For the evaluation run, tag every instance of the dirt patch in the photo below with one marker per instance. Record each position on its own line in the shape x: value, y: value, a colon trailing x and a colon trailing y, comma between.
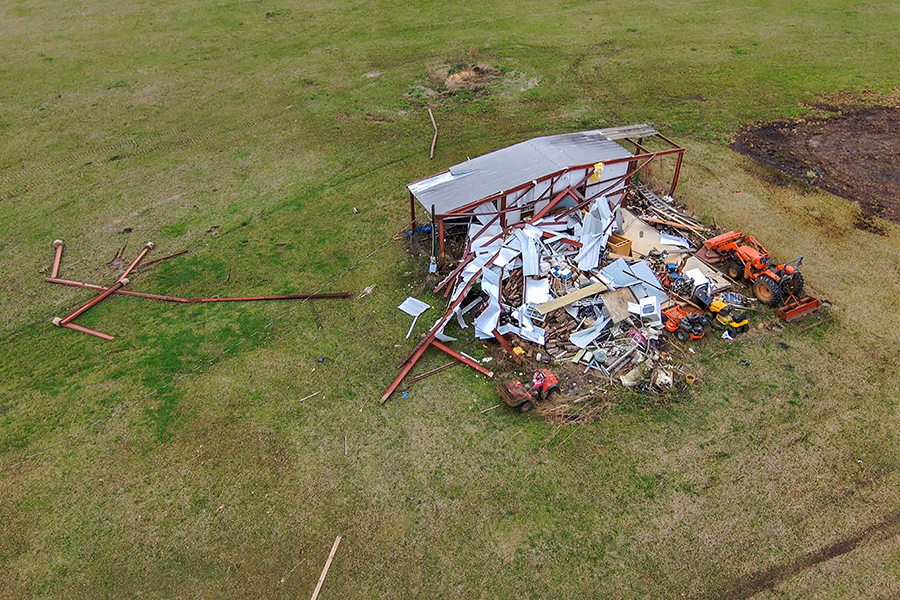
x: 467, y: 77
x: 854, y: 154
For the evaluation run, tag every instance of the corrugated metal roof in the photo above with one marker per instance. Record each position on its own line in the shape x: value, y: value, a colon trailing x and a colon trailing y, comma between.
x: 504, y: 169
x: 628, y: 131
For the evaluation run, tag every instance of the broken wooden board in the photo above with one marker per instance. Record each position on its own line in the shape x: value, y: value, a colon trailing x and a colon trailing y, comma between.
x: 717, y: 280
x: 644, y: 237
x: 616, y: 304
x: 590, y: 290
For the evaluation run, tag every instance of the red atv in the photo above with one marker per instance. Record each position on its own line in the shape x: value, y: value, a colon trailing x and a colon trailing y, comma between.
x: 521, y: 396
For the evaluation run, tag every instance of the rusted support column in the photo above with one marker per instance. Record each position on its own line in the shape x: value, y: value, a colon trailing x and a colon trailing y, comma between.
x: 463, y: 359
x: 441, y: 236
x: 412, y: 213
x: 404, y: 372
x: 104, y: 336
x: 504, y: 343
x: 54, y: 270
x: 677, y: 172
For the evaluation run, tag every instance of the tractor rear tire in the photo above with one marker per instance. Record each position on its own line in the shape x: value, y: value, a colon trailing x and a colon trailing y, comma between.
x: 734, y: 270
x: 525, y: 406
x: 682, y: 335
x: 797, y: 284
x: 767, y: 290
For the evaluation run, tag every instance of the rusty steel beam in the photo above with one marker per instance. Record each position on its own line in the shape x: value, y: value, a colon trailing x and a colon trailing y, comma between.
x: 94, y: 302
x: 104, y: 336
x: 285, y: 297
x: 58, y: 245
x: 462, y: 358
x: 92, y: 286
x: 147, y: 248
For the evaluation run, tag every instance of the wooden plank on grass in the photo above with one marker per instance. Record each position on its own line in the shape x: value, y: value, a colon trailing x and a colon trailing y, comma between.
x: 334, y: 548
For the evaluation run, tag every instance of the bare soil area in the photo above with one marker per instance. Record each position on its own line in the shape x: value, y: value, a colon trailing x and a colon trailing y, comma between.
x: 854, y: 154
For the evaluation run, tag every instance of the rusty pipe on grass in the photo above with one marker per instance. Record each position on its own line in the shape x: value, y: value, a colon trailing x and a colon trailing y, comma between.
x: 286, y: 297
x: 100, y: 288
x: 104, y: 336
x: 94, y: 302
x: 54, y: 270
x: 147, y: 248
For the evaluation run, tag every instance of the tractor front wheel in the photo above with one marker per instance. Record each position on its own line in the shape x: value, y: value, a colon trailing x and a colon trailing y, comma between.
x: 767, y: 291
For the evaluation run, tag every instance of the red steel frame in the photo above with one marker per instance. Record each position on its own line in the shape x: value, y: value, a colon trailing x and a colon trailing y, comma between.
x: 633, y: 167
x: 122, y: 281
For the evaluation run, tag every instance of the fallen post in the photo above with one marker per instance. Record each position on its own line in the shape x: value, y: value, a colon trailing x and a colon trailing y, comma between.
x: 58, y: 322
x: 58, y: 245
x: 147, y: 248
x: 93, y: 286
x: 337, y: 542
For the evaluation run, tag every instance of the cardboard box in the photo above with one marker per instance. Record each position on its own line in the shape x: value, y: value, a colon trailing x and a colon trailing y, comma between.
x: 619, y: 244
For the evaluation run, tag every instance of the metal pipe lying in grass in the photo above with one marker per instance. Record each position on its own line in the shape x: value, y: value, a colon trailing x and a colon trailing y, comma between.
x: 94, y: 302
x: 58, y: 322
x: 93, y: 286
x: 54, y: 270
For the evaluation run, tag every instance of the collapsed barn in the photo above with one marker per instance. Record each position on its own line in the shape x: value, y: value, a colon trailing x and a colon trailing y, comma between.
x: 567, y: 256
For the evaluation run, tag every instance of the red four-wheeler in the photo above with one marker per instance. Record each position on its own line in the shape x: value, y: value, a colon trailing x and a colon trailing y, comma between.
x: 520, y: 396
x: 745, y: 258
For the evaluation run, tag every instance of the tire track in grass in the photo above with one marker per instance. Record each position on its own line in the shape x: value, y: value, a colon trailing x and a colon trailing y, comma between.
x: 754, y: 583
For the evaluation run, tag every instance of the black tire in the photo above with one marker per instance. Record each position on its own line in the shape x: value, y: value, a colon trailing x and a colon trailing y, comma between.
x: 767, y: 291
x: 716, y: 324
x: 548, y: 395
x: 525, y: 406
x: 797, y: 284
x: 682, y: 335
x: 743, y: 328
x: 734, y: 270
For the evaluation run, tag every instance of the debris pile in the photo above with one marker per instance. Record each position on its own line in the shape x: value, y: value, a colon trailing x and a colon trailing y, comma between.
x: 602, y: 288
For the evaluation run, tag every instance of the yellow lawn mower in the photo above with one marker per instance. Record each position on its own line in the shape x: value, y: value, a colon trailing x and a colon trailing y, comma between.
x: 726, y: 318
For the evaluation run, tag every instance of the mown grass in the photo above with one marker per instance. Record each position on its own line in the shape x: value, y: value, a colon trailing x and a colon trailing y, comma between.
x: 247, y: 132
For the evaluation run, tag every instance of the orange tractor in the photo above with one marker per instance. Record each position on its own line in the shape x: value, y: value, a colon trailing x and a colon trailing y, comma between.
x: 745, y: 258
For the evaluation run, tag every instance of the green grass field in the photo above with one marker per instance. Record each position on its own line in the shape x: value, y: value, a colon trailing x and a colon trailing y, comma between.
x: 178, y: 461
